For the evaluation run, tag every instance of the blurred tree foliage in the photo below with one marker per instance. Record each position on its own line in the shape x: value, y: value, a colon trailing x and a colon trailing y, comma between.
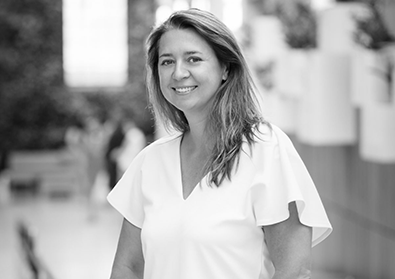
x: 371, y: 31
x: 36, y: 108
x: 141, y: 19
x: 299, y: 23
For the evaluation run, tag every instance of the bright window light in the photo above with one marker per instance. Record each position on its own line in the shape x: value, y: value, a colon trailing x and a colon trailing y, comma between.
x: 162, y: 13
x: 95, y: 44
x: 322, y: 4
x: 179, y: 5
x: 201, y: 4
x: 233, y: 14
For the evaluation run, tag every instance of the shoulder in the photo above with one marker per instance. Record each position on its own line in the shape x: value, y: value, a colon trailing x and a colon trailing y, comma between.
x: 159, y: 148
x: 164, y: 141
x: 268, y: 138
x: 270, y: 133
x: 267, y: 134
x: 162, y: 144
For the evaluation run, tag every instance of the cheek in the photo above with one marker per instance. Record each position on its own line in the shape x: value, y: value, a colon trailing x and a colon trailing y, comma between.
x: 162, y: 82
x: 214, y: 81
x: 164, y: 88
x: 163, y: 78
x: 165, y: 91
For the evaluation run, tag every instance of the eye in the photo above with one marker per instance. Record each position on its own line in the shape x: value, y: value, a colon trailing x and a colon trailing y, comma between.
x: 166, y: 62
x: 194, y: 59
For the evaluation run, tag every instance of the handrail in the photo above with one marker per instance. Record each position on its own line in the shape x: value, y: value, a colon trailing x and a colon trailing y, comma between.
x: 35, y: 264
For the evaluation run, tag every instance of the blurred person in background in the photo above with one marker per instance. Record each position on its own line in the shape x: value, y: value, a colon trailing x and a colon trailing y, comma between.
x: 97, y: 132
x: 125, y: 142
x: 87, y: 143
x: 96, y: 138
x: 75, y: 142
x: 133, y: 142
x: 115, y: 141
x: 227, y: 196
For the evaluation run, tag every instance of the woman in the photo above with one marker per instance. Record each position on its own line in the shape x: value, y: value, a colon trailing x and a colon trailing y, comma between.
x: 225, y: 197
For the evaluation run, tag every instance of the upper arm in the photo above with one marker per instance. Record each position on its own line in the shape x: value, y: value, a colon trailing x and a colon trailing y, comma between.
x: 289, y: 245
x: 129, y: 259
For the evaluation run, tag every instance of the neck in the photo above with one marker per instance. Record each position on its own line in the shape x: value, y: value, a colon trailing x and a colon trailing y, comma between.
x: 197, y: 138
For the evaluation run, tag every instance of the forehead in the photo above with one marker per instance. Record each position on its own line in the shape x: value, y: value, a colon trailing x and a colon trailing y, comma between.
x: 177, y: 41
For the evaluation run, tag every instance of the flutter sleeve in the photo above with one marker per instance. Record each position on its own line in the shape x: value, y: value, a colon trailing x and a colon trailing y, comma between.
x: 126, y: 197
x: 283, y: 178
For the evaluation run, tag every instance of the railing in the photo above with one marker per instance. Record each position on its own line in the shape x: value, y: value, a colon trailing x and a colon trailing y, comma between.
x: 35, y: 264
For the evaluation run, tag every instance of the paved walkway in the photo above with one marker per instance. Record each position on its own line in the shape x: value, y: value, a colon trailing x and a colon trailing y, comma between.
x: 74, y: 240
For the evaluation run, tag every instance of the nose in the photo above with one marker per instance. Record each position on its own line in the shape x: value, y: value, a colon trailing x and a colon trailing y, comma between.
x: 180, y: 72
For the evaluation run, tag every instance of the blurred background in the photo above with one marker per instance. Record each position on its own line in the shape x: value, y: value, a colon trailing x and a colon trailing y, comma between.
x: 73, y: 102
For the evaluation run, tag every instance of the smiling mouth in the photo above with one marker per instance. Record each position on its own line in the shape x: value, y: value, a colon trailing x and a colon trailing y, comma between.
x: 184, y: 90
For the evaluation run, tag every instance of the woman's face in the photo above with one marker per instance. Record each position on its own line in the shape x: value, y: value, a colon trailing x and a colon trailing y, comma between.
x: 189, y: 71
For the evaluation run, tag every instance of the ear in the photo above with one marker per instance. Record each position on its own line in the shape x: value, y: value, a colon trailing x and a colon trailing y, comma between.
x: 225, y: 72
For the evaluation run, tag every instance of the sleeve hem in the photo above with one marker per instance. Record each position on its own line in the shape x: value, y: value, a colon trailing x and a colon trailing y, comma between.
x: 123, y: 212
x: 272, y: 221
x: 327, y: 231
x: 321, y: 230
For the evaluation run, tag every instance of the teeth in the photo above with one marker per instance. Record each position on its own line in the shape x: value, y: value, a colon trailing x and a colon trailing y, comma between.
x: 184, y: 89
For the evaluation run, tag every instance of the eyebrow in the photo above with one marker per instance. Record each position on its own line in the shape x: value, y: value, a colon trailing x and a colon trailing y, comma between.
x: 186, y: 53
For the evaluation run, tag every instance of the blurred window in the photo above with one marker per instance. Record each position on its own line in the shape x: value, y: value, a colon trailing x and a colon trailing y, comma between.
x: 95, y: 43
x: 233, y: 14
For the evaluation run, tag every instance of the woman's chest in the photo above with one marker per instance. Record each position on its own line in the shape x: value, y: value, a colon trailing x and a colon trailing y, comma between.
x: 210, y: 214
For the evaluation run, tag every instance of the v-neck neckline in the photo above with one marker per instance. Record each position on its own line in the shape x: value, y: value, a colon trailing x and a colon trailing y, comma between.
x: 180, y: 184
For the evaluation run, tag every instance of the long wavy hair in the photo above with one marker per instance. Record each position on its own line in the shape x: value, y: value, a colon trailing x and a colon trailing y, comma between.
x: 235, y: 114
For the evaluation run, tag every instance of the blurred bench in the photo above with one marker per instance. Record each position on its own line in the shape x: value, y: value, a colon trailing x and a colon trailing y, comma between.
x: 46, y: 172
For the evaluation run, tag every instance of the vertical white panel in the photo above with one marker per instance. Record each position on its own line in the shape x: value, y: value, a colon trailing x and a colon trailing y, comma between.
x: 267, y: 39
x: 326, y: 113
x: 378, y: 132
x: 335, y: 27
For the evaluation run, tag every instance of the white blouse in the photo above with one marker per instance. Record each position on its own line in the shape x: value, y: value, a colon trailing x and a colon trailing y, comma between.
x: 216, y: 232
